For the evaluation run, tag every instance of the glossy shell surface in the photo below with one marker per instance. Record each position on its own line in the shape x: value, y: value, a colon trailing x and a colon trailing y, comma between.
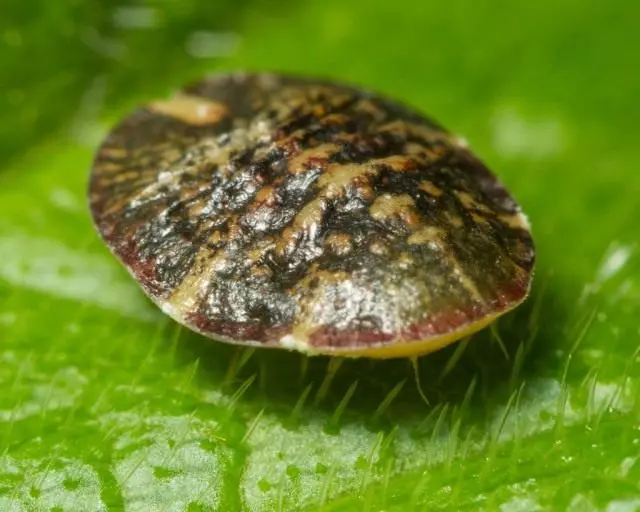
x: 278, y: 211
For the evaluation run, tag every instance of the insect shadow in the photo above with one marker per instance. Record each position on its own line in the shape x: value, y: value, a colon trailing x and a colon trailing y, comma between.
x: 475, y: 373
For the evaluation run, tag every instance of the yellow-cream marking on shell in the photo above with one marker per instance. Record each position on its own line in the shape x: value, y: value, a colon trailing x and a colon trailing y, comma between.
x: 308, y: 220
x: 427, y: 235
x: 339, y: 243
x: 323, y: 277
x: 259, y: 250
x: 295, y: 341
x: 430, y: 188
x: 404, y: 260
x: 379, y: 248
x: 339, y: 176
x: 265, y: 194
x: 185, y: 297
x: 114, y: 206
x: 425, y: 132
x: 454, y: 220
x: 171, y: 155
x: 299, y: 162
x: 469, y: 202
x: 426, y: 154
x: 284, y: 242
x: 415, y: 149
x: 466, y: 281
x: 204, y: 228
x: 109, y: 166
x: 291, y: 143
x: 478, y: 219
x: 365, y: 191
x: 388, y: 205
x: 125, y: 175
x: 216, y: 237
x: 515, y: 221
x: 188, y: 193
x: 334, y: 118
x: 261, y: 271
x: 395, y: 126
x: 398, y: 163
x: 370, y: 108
x: 310, y: 215
x: 113, y: 152
x: 195, y: 209
x: 191, y: 109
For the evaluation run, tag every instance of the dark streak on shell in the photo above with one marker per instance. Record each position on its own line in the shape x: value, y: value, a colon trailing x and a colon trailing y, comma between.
x: 263, y: 207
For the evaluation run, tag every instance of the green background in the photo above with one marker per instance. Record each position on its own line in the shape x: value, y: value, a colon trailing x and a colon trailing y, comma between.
x: 105, y: 404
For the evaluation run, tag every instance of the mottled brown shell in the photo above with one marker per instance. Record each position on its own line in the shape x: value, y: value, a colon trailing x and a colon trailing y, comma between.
x: 278, y: 211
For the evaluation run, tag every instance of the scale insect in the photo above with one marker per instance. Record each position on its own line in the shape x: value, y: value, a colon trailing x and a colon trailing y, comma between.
x: 279, y: 211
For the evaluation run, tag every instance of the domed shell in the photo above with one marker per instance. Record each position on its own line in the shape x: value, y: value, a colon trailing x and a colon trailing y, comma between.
x: 277, y: 211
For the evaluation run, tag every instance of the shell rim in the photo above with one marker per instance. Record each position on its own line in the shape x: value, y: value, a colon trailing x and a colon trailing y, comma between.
x: 423, y: 345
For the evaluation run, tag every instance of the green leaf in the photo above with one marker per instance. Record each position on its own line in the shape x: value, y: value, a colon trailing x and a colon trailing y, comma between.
x: 106, y: 404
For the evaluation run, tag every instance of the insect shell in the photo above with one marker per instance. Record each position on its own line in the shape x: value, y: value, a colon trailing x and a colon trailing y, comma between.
x: 277, y: 211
